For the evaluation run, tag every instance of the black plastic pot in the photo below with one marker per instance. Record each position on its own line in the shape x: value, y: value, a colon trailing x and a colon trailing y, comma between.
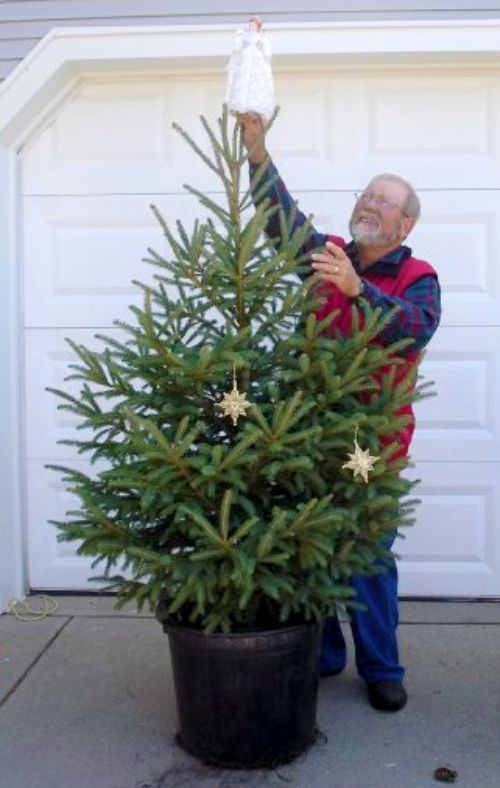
x: 246, y: 700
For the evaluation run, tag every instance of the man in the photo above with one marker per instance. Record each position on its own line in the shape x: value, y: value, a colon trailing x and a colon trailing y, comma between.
x: 377, y: 266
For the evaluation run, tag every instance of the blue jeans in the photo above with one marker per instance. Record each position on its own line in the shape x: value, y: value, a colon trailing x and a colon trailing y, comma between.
x: 373, y: 630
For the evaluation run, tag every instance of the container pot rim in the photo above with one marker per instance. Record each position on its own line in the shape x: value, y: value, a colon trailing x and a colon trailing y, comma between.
x: 196, y: 631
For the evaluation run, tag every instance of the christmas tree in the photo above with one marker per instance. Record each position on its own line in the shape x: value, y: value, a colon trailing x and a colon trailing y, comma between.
x: 245, y: 448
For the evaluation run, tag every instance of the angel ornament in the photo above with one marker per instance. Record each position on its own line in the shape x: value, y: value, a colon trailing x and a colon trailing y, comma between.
x: 250, y: 80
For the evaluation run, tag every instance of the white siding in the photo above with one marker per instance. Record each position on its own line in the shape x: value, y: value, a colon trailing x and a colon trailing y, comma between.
x: 24, y: 22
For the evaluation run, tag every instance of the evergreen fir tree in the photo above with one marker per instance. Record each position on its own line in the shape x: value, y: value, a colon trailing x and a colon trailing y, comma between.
x: 253, y: 520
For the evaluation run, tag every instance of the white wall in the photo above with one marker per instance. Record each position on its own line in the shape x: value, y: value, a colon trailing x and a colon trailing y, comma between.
x: 11, y: 560
x: 24, y: 22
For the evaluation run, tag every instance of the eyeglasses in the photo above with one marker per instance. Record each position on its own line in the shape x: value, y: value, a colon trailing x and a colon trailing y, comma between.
x: 381, y: 202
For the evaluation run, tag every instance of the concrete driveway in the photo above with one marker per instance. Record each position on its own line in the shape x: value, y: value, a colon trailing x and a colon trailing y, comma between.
x: 87, y: 701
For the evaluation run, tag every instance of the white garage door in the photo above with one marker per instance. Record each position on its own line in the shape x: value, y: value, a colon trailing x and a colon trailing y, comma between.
x: 87, y: 181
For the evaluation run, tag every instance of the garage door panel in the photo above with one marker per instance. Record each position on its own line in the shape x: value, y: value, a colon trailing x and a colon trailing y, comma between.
x: 462, y: 420
x: 117, y: 137
x: 93, y: 249
x: 101, y: 110
x: 458, y: 233
x: 463, y: 108
x: 52, y: 564
x: 335, y: 130
x: 305, y: 136
x: 453, y: 549
x: 47, y: 362
x: 429, y: 127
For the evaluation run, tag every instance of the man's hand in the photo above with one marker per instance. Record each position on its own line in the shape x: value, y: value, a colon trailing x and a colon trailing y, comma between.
x: 333, y: 265
x: 253, y: 129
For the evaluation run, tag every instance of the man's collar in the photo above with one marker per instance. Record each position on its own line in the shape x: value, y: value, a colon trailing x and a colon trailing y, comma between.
x: 387, y: 264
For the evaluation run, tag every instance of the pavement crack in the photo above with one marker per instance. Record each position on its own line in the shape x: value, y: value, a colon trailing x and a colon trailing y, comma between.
x: 32, y: 664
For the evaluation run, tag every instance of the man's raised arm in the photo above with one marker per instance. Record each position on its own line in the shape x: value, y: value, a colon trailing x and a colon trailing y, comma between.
x: 271, y: 186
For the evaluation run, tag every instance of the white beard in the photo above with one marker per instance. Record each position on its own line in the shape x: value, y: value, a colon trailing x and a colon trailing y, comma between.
x: 371, y: 234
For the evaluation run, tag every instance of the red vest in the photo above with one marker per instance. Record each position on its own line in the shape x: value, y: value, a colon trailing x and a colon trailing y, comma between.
x: 409, y: 271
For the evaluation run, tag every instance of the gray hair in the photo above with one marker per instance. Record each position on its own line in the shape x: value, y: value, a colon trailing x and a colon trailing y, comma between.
x: 411, y: 206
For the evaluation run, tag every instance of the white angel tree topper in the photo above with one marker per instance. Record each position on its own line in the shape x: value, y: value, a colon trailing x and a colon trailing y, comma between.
x: 250, y: 85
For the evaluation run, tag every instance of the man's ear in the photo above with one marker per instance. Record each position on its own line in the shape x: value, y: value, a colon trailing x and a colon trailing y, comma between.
x: 407, y: 226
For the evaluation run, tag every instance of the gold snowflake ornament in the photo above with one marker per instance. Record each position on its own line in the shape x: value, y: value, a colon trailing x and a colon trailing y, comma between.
x: 234, y: 404
x: 360, y: 462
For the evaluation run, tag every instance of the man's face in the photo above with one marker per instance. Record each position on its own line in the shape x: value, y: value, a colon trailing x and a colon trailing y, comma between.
x: 377, y: 218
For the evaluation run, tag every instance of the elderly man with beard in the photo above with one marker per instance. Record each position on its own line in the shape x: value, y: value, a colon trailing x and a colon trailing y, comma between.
x: 375, y: 265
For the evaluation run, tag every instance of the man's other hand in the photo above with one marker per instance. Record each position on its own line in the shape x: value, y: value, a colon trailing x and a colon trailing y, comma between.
x: 333, y: 265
